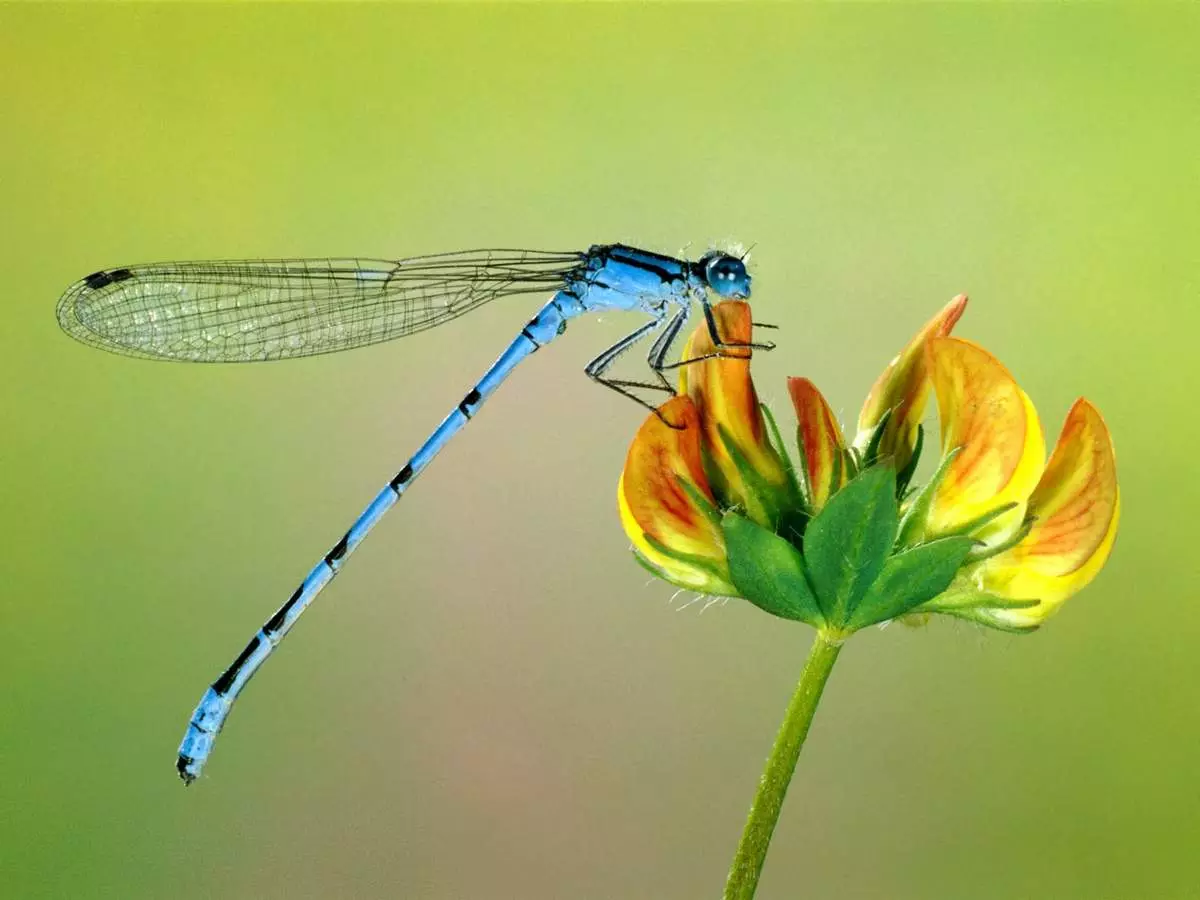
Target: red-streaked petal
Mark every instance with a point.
(822, 446)
(903, 388)
(1076, 499)
(986, 414)
(1076, 506)
(655, 505)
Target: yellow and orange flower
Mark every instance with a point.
(1014, 535)
(707, 450)
(824, 464)
(1072, 512)
(745, 469)
(902, 389)
(666, 505)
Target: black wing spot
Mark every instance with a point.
(97, 280)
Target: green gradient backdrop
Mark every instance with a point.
(465, 714)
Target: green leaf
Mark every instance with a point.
(911, 578)
(768, 571)
(847, 542)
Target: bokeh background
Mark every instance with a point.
(492, 701)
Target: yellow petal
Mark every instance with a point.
(658, 513)
(983, 412)
(1077, 505)
(823, 449)
(903, 388)
(726, 400)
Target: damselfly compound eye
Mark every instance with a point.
(727, 276)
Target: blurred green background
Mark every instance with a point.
(467, 713)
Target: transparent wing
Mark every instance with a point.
(246, 310)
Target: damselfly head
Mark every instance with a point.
(726, 275)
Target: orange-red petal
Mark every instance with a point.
(822, 447)
(985, 414)
(658, 513)
(903, 388)
(726, 400)
(1076, 506)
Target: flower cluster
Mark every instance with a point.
(843, 538)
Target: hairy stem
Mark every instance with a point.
(772, 787)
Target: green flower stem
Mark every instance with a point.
(752, 851)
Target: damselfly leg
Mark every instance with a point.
(658, 353)
(625, 387)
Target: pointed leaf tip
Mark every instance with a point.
(847, 543)
(768, 571)
(911, 578)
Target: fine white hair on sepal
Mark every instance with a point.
(691, 602)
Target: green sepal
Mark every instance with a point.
(904, 476)
(912, 526)
(986, 552)
(769, 572)
(649, 566)
(871, 453)
(911, 578)
(702, 503)
(979, 521)
(965, 595)
(795, 512)
(703, 563)
(980, 616)
(775, 438)
(965, 601)
(843, 459)
(853, 461)
(847, 542)
(762, 498)
(804, 478)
